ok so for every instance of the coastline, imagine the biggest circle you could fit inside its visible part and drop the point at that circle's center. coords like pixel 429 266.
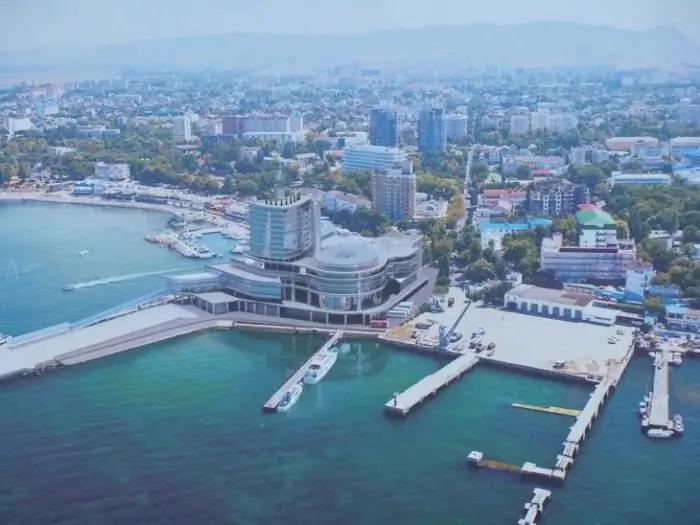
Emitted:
pixel 62 198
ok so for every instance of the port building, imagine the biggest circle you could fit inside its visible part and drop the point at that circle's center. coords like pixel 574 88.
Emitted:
pixel 301 267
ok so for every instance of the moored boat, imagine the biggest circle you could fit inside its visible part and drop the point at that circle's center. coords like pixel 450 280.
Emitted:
pixel 320 366
pixel 291 397
pixel 659 433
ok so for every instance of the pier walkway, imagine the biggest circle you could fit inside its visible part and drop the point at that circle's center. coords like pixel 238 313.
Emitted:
pixel 271 404
pixel 659 410
pixel 549 410
pixel 535 507
pixel 405 401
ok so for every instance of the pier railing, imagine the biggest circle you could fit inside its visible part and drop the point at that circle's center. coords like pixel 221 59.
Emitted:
pixel 38 335
pixel 120 309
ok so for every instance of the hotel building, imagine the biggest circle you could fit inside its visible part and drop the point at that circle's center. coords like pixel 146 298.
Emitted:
pixel 370 158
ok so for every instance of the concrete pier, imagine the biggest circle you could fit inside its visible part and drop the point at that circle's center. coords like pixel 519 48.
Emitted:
pixel 271 404
pixel 405 401
pixel 659 415
pixel 535 507
pixel 476 459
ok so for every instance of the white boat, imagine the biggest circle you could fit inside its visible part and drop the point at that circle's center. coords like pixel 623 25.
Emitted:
pixel 659 433
pixel 291 397
pixel 84 252
pixel 678 425
pixel 320 366
pixel 643 408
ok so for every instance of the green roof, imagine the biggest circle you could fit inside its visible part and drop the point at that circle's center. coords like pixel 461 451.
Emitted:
pixel 594 218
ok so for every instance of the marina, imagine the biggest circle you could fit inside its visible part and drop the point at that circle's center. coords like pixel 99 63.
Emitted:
pixel 402 403
pixel 272 404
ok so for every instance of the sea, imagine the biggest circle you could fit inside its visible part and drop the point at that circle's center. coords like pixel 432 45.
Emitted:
pixel 174 434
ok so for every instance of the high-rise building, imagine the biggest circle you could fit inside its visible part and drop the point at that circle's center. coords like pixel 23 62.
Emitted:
pixel 519 124
pixel 182 129
pixel 394 192
pixel 384 127
pixel 556 197
pixel 296 122
pixel 370 158
pixel 577 156
pixel 431 131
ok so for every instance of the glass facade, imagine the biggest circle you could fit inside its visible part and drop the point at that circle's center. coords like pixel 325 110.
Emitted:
pixel 282 230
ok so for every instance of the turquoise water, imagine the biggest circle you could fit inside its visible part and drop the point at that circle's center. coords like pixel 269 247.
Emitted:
pixel 174 434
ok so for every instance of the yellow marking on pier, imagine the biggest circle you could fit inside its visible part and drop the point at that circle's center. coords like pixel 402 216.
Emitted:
pixel 550 410
pixel 499 465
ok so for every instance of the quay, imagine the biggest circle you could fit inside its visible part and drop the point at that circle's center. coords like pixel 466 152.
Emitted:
pixel 527 469
pixel 549 410
pixel 659 414
pixel 535 507
pixel 271 404
pixel 402 403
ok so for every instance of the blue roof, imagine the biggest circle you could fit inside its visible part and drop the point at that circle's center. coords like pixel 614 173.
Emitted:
pixel 677 309
pixel 540 222
pixel 511 226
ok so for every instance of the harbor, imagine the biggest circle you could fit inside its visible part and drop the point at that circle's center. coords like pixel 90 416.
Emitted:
pixel 272 404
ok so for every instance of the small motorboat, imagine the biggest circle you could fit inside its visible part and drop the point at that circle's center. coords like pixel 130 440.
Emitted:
pixel 659 433
pixel 84 253
pixel 291 397
pixel 320 366
pixel 678 425
pixel 643 408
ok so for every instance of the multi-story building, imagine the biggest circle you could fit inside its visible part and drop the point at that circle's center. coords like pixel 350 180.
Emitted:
pixel 394 192
pixel 296 122
pixel 679 317
pixel 577 156
pixel 431 131
pixel 554 198
pixel 519 124
pixel 581 263
pixel 456 127
pixel 114 172
pixel 561 122
pixel 644 151
pixel 625 143
pixel 384 127
pixel 599 156
pixel 239 125
pixel 233 125
pixel 304 268
pixel 182 129
pixel 370 158
pixel 640 179
pixel 280 137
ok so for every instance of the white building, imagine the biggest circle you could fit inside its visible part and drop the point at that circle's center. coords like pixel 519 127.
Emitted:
pixel 638 279
pixel 456 127
pixel 296 122
pixel 115 172
pixel 561 122
pixel 644 151
pixel 370 158
pixel 625 143
pixel 539 120
pixel 269 123
pixel 519 124
pixel 182 129
pixel 281 137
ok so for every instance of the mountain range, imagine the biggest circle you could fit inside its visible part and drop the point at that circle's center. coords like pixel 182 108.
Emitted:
pixel 444 49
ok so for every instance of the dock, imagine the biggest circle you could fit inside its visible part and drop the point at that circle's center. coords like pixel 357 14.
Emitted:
pixel 402 403
pixel 535 507
pixel 271 404
pixel 549 410
pixel 476 459
pixel 659 415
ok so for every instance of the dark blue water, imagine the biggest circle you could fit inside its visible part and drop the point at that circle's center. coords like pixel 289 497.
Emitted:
pixel 174 434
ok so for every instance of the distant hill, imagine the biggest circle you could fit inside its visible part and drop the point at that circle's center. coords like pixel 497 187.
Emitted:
pixel 444 48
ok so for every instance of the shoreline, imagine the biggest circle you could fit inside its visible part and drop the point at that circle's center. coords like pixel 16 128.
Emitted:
pixel 19 197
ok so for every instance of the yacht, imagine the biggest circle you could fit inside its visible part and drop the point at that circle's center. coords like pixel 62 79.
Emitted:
pixel 320 366
pixel 291 397
pixel 203 252
pixel 678 425
pixel 660 433
pixel 643 408
pixel 84 253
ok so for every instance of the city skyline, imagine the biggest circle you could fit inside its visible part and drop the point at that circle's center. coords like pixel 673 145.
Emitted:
pixel 47 23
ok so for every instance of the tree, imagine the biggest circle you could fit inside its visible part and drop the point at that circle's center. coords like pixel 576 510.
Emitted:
pixel 229 186
pixel 523 172
pixel 591 176
pixel 638 228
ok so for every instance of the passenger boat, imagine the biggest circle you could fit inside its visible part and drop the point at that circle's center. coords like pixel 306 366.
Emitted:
pixel 291 397
pixel 320 366
pixel 659 433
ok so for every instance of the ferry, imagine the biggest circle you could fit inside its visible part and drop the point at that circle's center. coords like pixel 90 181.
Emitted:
pixel 291 397
pixel 320 366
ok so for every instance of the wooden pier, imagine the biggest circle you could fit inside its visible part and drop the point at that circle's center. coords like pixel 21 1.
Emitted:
pixel 549 410
pixel 271 404
pixel 476 459
pixel 402 403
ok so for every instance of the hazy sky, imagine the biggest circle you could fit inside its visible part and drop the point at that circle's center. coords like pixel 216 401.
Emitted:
pixel 46 23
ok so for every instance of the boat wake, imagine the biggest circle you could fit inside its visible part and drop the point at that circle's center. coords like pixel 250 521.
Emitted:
pixel 116 279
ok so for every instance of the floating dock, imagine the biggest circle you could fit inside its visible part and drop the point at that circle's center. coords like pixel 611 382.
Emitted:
pixel 549 410
pixel 271 404
pixel 535 507
pixel 402 403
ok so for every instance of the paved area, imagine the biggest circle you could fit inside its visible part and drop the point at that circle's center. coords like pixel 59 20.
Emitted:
pixel 659 410
pixel 530 340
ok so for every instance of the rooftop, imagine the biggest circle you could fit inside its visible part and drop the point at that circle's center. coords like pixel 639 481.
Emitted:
pixel 563 297
pixel 592 216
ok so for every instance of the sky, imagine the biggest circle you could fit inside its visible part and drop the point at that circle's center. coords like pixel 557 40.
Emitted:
pixel 35 24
